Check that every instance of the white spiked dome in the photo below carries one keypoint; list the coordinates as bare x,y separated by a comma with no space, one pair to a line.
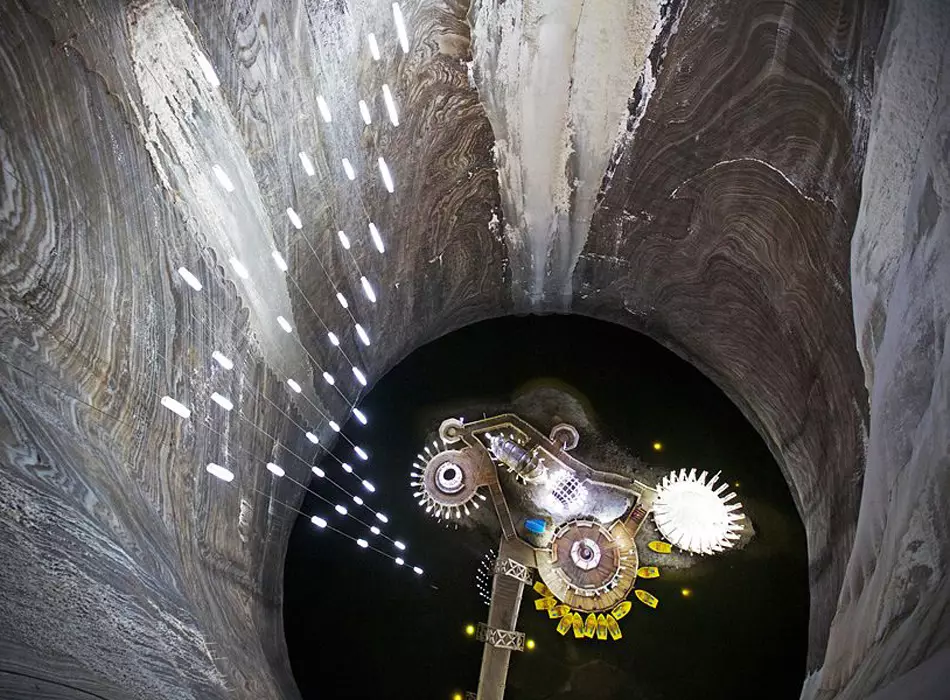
695,515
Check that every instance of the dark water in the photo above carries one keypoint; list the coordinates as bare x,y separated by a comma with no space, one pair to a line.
359,627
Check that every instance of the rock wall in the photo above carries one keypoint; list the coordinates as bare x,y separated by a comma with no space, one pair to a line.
722,227
127,572
891,634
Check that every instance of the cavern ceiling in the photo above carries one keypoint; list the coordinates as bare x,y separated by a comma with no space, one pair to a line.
257,209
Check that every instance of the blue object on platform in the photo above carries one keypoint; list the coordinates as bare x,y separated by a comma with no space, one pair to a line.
536,525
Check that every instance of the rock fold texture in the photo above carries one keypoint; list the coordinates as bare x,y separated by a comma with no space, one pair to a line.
760,186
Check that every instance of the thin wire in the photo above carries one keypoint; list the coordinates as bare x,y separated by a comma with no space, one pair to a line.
210,330
270,497
314,360
336,289
328,526
241,374
210,301
325,271
202,423
90,364
303,296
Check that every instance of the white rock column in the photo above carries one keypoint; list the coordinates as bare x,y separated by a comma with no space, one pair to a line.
555,77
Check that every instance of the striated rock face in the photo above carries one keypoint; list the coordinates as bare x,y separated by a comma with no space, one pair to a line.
891,633
723,232
691,170
127,571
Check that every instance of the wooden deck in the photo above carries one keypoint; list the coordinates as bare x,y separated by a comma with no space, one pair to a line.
503,614
557,571
501,508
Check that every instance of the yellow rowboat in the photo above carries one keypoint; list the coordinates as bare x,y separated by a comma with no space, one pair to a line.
622,609
648,572
613,628
541,589
601,627
558,611
578,624
660,547
565,624
545,603
590,627
646,598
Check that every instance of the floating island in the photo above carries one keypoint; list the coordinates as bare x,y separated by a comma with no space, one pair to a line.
568,530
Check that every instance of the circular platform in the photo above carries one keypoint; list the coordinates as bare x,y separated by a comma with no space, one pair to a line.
588,566
451,477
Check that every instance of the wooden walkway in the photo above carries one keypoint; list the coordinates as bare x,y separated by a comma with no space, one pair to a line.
503,614
501,508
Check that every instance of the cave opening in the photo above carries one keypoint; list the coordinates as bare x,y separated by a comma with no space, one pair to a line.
730,626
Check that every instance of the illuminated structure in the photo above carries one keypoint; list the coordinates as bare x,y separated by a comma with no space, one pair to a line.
483,576
573,525
695,515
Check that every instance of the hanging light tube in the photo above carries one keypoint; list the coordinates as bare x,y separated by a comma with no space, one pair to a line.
176,407
368,289
220,472
386,175
223,178
377,239
189,278
307,164
222,360
207,69
400,27
294,218
239,268
324,109
373,46
390,105
361,332
222,401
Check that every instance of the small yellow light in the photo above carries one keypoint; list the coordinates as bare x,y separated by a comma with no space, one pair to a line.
657,446
529,644
686,592
737,484
470,630
457,696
